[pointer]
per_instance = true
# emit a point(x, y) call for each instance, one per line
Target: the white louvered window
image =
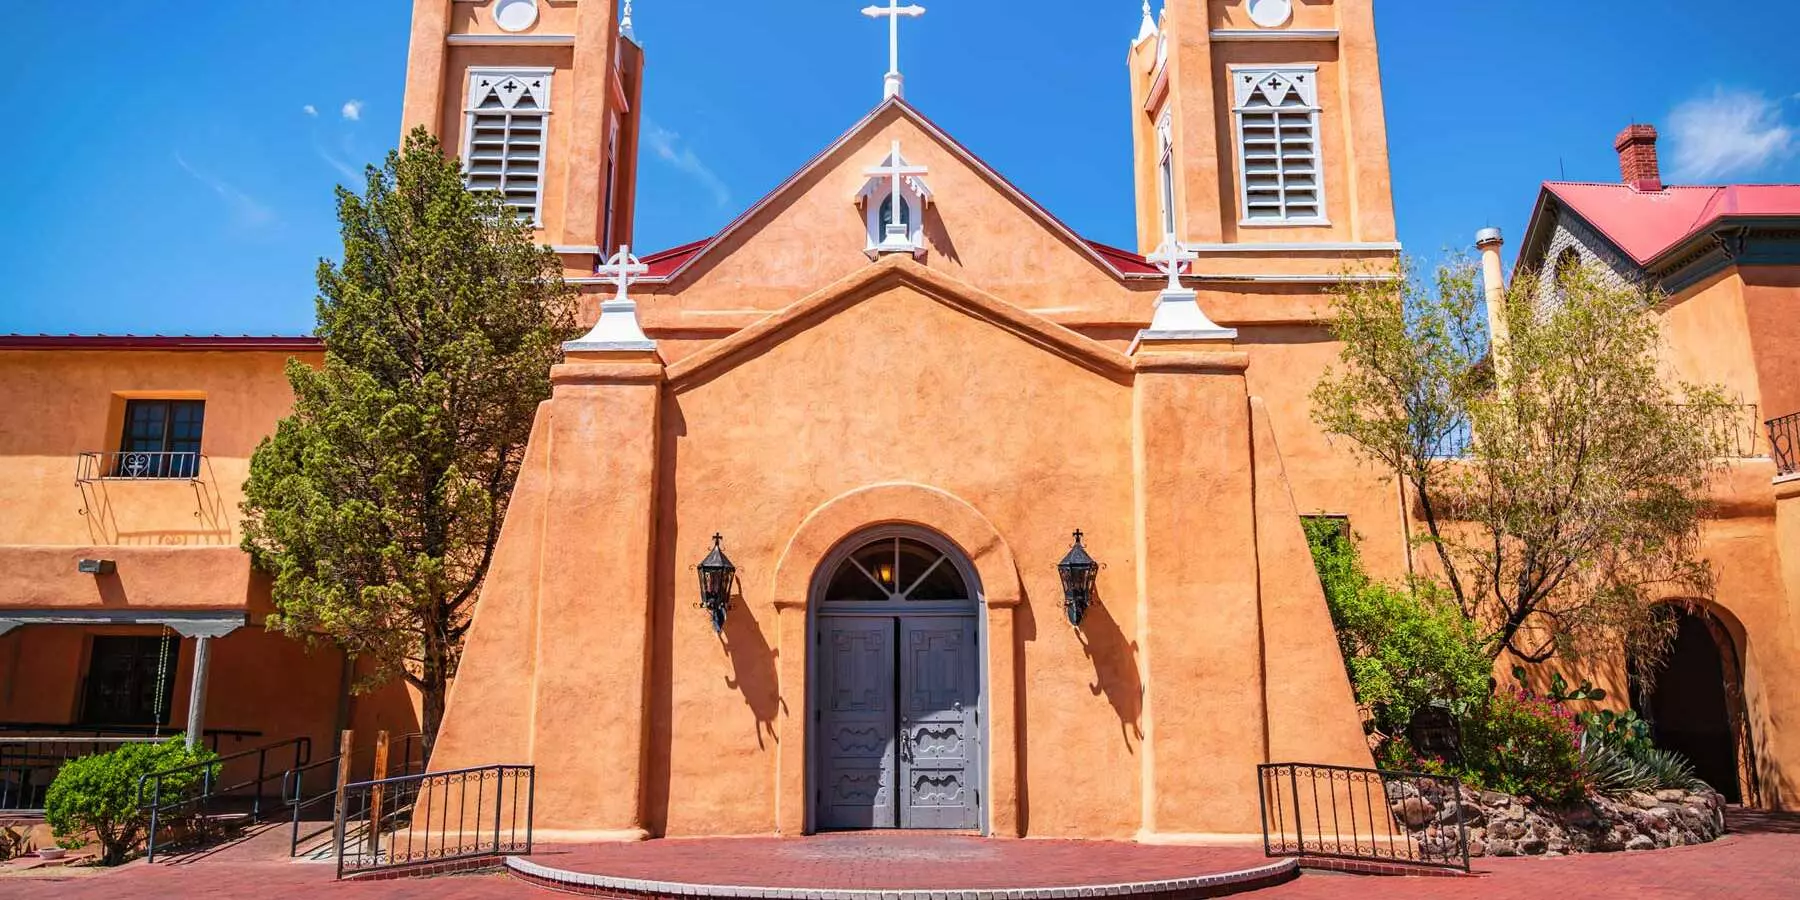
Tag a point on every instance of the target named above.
point(1282, 176)
point(509, 114)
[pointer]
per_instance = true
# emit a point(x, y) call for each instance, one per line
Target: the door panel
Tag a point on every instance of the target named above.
point(939, 743)
point(856, 718)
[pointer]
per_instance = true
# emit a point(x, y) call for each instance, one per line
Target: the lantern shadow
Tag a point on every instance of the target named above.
point(753, 669)
point(1115, 670)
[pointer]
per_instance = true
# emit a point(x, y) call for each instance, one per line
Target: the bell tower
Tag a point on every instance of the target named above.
point(1259, 124)
point(541, 101)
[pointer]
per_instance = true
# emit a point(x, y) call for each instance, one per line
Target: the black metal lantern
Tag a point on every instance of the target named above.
point(1078, 571)
point(716, 575)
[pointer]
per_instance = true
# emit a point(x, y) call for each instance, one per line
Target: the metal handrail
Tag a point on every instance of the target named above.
point(1784, 443)
point(21, 756)
point(210, 770)
point(295, 779)
point(1299, 822)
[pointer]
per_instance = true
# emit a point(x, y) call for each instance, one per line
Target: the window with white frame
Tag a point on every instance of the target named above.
point(1281, 177)
point(612, 181)
point(509, 111)
point(1165, 172)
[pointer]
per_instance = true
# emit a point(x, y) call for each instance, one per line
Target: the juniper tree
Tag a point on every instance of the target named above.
point(1562, 502)
point(377, 503)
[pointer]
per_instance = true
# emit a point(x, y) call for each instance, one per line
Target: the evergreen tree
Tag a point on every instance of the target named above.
point(377, 503)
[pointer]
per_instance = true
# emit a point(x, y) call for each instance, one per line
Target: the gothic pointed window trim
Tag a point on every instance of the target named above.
point(505, 138)
point(1165, 173)
point(915, 197)
point(1281, 170)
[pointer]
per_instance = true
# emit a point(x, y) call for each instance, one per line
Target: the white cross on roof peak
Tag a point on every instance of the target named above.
point(893, 82)
point(1173, 260)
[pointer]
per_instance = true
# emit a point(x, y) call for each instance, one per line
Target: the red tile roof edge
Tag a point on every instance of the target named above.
point(265, 343)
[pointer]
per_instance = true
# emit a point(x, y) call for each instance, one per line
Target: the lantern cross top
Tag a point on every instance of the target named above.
point(892, 12)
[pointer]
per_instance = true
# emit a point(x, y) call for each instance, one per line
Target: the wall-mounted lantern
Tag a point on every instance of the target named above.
point(716, 576)
point(1078, 571)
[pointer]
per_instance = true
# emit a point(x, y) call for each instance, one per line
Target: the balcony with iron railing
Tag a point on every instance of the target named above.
point(138, 465)
point(1784, 444)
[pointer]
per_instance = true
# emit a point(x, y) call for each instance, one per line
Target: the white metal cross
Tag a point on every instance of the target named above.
point(895, 169)
point(893, 11)
point(1173, 260)
point(623, 270)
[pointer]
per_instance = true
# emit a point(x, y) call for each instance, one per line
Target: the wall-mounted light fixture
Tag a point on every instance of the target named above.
point(716, 576)
point(96, 567)
point(1078, 571)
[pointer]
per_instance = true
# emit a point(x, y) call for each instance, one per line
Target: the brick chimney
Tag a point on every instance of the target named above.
point(1637, 157)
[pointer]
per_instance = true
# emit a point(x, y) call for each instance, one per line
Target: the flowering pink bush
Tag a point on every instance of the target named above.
point(1526, 745)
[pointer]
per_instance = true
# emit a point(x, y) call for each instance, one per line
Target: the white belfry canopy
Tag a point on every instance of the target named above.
point(893, 11)
point(618, 327)
point(895, 178)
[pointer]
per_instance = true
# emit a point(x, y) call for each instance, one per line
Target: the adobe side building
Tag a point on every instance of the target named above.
point(894, 389)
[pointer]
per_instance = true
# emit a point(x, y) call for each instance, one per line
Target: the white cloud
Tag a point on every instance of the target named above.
point(245, 209)
point(310, 110)
point(1730, 133)
point(353, 110)
point(666, 145)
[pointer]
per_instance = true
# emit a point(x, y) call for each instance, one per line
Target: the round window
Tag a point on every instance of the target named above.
point(515, 15)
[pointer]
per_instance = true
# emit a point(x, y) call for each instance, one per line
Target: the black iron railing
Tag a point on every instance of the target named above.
point(410, 820)
point(1337, 812)
point(1784, 443)
point(137, 465)
point(31, 753)
point(235, 780)
point(322, 775)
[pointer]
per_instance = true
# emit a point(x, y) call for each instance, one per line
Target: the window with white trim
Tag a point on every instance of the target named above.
point(1281, 177)
point(1165, 172)
point(503, 152)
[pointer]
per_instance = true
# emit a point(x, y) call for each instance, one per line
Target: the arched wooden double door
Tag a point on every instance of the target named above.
point(896, 686)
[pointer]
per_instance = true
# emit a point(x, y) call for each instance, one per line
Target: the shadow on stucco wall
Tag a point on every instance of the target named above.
point(1115, 671)
point(753, 668)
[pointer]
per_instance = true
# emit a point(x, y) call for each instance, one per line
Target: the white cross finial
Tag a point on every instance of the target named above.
point(893, 11)
point(625, 29)
point(1173, 260)
point(623, 269)
point(618, 327)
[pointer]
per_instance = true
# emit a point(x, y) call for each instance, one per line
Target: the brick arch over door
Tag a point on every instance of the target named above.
point(958, 522)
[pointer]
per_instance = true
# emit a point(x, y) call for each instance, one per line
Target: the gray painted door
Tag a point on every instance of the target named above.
point(939, 746)
point(856, 713)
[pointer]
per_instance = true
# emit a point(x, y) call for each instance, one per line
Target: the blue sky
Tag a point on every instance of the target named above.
point(173, 163)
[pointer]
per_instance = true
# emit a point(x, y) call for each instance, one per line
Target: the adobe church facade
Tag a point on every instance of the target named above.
point(894, 388)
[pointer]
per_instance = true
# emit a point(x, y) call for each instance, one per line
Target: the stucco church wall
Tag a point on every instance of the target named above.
point(898, 388)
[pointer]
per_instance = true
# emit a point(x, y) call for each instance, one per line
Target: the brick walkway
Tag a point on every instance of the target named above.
point(1759, 861)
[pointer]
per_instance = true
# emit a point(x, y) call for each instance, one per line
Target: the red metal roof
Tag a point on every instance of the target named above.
point(1647, 224)
point(287, 343)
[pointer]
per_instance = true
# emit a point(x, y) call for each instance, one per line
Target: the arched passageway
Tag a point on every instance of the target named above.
point(1695, 705)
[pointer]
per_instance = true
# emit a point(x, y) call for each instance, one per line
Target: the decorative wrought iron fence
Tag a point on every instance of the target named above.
point(31, 754)
point(1784, 443)
point(1734, 431)
point(137, 465)
point(224, 779)
point(1337, 812)
point(434, 817)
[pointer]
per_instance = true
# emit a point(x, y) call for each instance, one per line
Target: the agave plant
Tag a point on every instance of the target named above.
point(1672, 770)
point(1613, 771)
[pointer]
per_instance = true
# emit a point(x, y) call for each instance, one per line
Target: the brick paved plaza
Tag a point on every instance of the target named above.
point(1760, 860)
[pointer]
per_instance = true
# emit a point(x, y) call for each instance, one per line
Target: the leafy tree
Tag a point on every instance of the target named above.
point(98, 793)
point(1563, 499)
point(377, 503)
point(1403, 647)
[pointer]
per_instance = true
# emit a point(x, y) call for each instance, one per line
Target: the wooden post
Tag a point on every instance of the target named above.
point(346, 746)
point(381, 756)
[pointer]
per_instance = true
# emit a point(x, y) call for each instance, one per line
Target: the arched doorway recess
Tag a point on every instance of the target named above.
point(897, 684)
point(1696, 705)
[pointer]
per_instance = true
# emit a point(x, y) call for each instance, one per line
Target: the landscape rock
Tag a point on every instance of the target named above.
point(1500, 825)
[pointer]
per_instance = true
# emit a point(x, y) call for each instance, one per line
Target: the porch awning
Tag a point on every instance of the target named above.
point(197, 623)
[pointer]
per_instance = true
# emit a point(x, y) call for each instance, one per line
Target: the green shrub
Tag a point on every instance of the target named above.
point(99, 793)
point(1527, 746)
point(1613, 771)
point(1404, 647)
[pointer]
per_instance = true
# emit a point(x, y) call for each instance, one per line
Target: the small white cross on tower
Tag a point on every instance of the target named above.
point(618, 327)
point(1173, 260)
point(1178, 314)
point(896, 237)
point(893, 11)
